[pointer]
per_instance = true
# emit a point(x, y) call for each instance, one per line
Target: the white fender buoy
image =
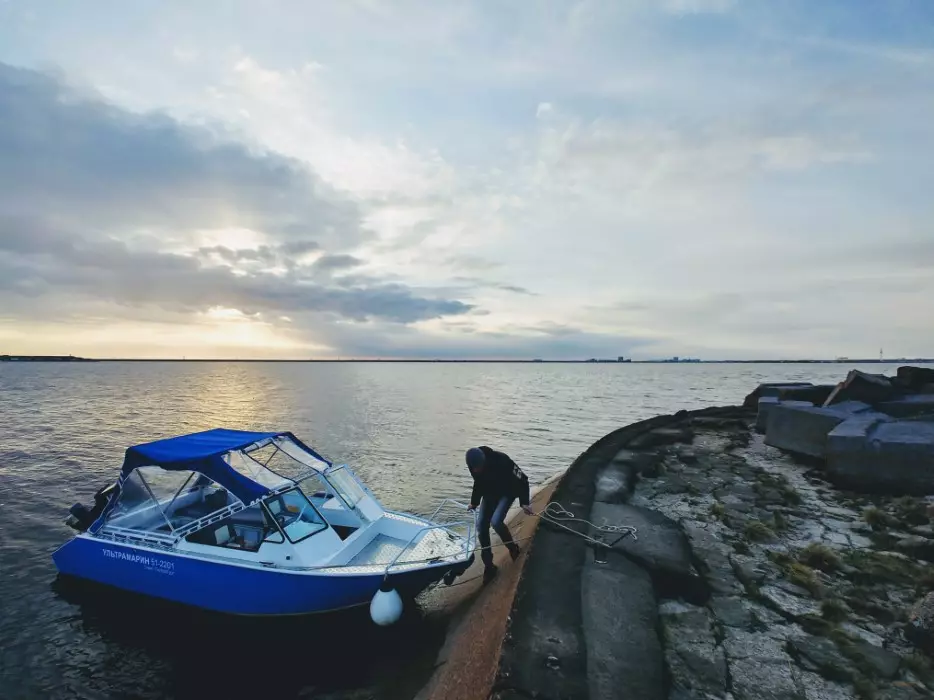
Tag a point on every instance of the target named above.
point(386, 606)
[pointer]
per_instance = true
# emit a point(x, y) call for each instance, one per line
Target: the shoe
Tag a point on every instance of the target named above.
point(489, 573)
point(514, 551)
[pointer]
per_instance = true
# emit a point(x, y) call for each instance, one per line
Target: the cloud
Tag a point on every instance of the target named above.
point(479, 283)
point(57, 263)
point(94, 199)
point(73, 156)
point(336, 262)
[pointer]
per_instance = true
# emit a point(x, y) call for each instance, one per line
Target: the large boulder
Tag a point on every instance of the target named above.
point(882, 455)
point(803, 430)
point(790, 391)
point(862, 386)
point(914, 378)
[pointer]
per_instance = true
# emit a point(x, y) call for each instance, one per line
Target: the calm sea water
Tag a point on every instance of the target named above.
point(403, 427)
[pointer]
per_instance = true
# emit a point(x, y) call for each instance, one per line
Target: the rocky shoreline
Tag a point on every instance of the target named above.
point(752, 574)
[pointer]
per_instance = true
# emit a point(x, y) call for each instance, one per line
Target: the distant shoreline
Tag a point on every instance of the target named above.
point(848, 361)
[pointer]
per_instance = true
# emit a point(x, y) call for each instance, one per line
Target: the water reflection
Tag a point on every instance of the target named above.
point(191, 653)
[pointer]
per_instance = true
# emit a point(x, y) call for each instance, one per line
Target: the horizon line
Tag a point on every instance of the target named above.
point(75, 358)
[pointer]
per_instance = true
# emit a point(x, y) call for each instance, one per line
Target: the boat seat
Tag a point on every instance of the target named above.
point(220, 534)
point(223, 535)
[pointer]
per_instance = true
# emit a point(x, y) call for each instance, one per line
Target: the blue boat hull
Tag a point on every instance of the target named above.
point(229, 588)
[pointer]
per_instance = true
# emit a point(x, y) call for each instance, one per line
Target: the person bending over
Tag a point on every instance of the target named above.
point(497, 482)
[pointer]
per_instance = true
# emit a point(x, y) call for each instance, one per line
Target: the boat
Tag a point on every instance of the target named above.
point(256, 523)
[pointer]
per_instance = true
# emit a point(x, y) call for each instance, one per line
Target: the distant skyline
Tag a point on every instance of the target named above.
point(720, 179)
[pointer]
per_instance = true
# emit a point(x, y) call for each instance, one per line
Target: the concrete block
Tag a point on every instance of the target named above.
point(882, 456)
point(907, 406)
point(815, 394)
point(660, 548)
point(862, 386)
point(770, 389)
point(619, 620)
point(803, 430)
point(766, 404)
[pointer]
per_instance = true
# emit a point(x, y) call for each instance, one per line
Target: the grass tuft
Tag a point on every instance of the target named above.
point(878, 519)
point(864, 688)
point(821, 557)
point(834, 611)
point(758, 531)
point(804, 576)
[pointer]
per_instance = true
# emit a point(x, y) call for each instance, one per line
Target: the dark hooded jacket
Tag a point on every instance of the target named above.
point(500, 477)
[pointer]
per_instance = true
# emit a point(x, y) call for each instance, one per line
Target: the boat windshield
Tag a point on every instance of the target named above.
point(295, 514)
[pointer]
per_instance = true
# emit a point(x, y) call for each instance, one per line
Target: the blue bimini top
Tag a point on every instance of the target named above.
point(203, 453)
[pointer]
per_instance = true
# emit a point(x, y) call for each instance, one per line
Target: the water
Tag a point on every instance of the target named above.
point(403, 427)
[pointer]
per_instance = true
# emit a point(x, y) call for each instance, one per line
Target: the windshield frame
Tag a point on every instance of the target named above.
point(284, 529)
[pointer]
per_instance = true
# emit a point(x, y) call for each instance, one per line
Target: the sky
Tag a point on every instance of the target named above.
point(721, 179)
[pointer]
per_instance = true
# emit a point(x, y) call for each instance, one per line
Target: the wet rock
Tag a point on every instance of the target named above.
point(920, 627)
point(662, 436)
point(638, 462)
point(862, 633)
point(695, 661)
point(789, 605)
point(713, 558)
point(903, 691)
point(795, 590)
point(739, 644)
point(876, 660)
point(823, 655)
point(916, 546)
point(614, 483)
point(752, 680)
point(688, 456)
point(814, 687)
point(731, 611)
point(750, 571)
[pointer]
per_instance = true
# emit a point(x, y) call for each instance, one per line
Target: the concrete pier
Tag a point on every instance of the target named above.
point(751, 576)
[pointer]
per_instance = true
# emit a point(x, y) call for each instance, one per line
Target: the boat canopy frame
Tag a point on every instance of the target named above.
point(209, 455)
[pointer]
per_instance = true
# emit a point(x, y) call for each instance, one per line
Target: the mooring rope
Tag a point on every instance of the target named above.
point(557, 515)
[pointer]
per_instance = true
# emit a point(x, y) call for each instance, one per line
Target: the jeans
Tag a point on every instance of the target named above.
point(492, 514)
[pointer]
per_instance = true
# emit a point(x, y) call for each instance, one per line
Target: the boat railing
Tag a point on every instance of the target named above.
point(447, 504)
point(417, 539)
point(208, 519)
point(129, 536)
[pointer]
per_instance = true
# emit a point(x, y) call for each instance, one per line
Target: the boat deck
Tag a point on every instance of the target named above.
point(434, 544)
point(381, 550)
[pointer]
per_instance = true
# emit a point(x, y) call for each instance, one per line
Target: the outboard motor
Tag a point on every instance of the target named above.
point(81, 517)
